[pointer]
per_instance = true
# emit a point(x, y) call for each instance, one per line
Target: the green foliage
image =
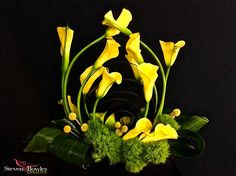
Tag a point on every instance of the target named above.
point(188, 144)
point(194, 123)
point(156, 152)
point(104, 141)
point(40, 141)
point(69, 149)
point(133, 151)
point(167, 119)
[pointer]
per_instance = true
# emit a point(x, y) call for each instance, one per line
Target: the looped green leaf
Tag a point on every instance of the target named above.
point(40, 141)
point(188, 144)
point(194, 123)
point(70, 149)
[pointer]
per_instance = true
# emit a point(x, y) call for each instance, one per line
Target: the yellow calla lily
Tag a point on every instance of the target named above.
point(110, 51)
point(133, 49)
point(161, 132)
point(65, 35)
point(92, 79)
point(133, 65)
point(148, 74)
point(108, 79)
point(171, 50)
point(143, 125)
point(119, 25)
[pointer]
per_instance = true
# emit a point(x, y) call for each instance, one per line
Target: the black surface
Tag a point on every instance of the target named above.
point(202, 80)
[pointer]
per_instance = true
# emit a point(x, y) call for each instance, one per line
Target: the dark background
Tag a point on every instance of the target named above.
point(202, 80)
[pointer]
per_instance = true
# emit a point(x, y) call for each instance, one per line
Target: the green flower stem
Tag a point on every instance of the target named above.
point(80, 94)
point(162, 98)
point(156, 98)
point(146, 109)
point(85, 105)
point(64, 98)
point(95, 107)
point(66, 75)
point(163, 79)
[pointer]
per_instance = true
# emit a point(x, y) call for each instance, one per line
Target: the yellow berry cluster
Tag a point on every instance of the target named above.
point(121, 126)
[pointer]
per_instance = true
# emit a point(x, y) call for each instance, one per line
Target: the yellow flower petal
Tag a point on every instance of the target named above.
point(143, 125)
point(171, 50)
point(131, 134)
point(108, 79)
point(161, 132)
point(133, 48)
point(119, 25)
point(110, 51)
point(92, 79)
point(133, 65)
point(148, 75)
point(65, 35)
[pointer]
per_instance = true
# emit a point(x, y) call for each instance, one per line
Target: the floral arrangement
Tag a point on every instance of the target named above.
point(149, 136)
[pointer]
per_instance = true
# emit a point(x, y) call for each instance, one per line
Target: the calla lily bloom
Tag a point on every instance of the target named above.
point(108, 79)
point(65, 35)
point(148, 74)
point(133, 65)
point(133, 49)
point(143, 125)
point(171, 50)
point(110, 51)
point(92, 78)
point(119, 25)
point(161, 132)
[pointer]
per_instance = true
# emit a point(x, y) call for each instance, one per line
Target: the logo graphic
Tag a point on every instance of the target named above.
point(29, 168)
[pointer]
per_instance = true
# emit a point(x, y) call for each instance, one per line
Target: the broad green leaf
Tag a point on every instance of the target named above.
point(40, 141)
point(70, 149)
point(188, 144)
point(167, 119)
point(194, 123)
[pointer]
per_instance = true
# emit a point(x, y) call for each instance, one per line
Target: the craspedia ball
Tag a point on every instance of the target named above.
point(84, 127)
point(176, 112)
point(67, 129)
point(72, 116)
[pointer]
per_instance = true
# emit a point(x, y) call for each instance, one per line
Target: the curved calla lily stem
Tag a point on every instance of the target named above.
point(65, 76)
point(95, 107)
point(159, 112)
point(80, 94)
point(146, 109)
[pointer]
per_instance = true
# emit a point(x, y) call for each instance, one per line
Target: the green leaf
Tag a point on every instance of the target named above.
point(70, 149)
point(167, 119)
point(194, 123)
point(41, 140)
point(63, 122)
point(110, 122)
point(188, 144)
point(100, 115)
